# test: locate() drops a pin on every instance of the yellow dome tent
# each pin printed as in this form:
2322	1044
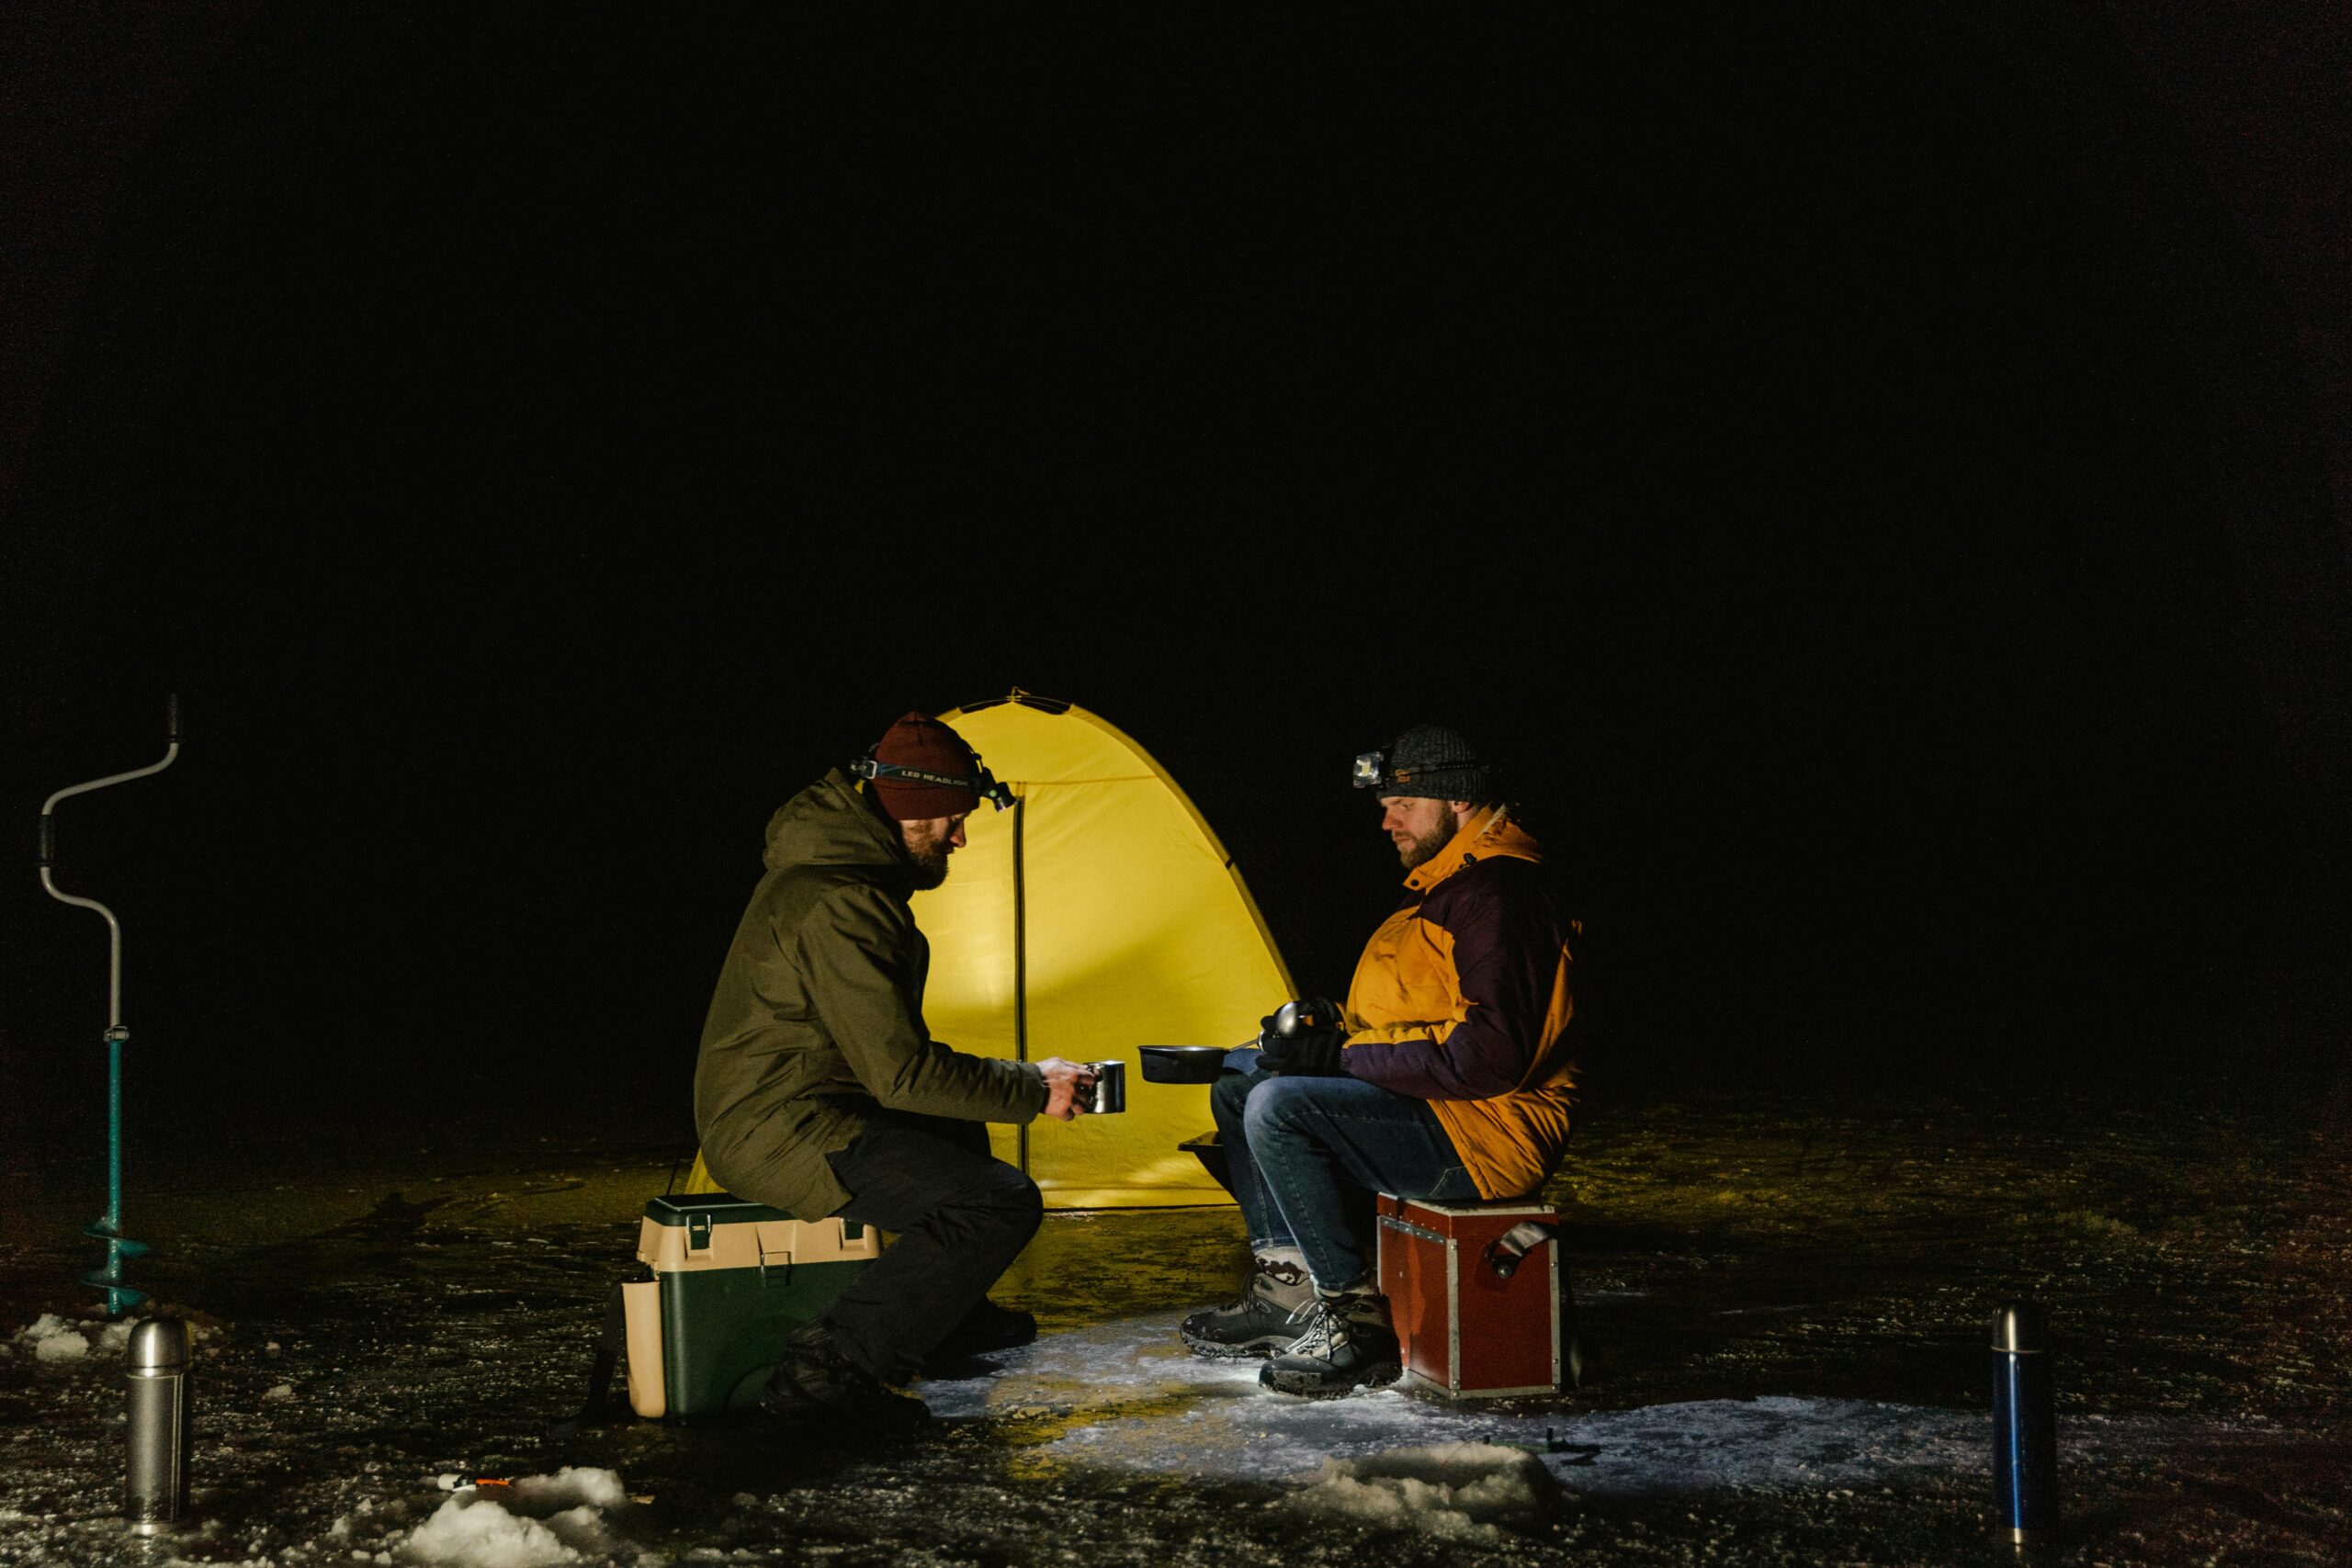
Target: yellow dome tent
1098	914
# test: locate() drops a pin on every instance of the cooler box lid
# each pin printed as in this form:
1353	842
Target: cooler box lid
715	1208
713	1230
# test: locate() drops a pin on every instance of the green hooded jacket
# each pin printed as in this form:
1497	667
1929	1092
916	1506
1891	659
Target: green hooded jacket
817	1021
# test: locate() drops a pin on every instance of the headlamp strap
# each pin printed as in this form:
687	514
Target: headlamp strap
987	785
867	768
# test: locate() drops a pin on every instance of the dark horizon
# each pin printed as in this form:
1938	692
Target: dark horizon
1864	479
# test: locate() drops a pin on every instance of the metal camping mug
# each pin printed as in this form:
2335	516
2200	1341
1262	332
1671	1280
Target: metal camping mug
1110	1088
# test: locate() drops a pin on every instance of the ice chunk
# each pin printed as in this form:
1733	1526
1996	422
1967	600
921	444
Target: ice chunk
582	1529
51	1337
279	1390
465	1534
573	1483
1454	1491
539	1521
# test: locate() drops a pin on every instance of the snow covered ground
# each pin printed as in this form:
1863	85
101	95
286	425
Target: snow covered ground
1784	1312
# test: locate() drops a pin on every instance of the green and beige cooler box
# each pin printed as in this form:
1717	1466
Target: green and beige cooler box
730	1279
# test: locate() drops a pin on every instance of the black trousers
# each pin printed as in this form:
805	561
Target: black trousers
961	1216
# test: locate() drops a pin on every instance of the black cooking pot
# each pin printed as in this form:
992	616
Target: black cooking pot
1183	1064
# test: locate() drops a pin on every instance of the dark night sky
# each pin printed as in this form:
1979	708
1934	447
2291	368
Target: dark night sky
1857	474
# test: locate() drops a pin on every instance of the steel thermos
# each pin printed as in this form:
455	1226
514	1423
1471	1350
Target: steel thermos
2025	1427
156	1481
1110	1088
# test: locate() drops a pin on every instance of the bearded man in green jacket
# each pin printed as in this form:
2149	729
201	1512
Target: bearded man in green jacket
821	1092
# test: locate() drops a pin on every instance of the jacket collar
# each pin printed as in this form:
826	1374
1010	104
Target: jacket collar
830	823
1488	834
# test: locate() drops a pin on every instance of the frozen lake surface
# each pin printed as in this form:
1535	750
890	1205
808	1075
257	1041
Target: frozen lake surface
1785	1312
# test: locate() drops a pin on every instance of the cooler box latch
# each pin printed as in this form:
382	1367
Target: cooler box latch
773	1254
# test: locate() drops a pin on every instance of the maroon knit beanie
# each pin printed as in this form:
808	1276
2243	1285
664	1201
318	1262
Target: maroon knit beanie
919	742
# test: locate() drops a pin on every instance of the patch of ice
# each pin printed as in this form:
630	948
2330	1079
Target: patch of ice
279	1391
1460	1492
1125	1395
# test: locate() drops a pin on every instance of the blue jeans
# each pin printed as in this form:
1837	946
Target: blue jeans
1306	1155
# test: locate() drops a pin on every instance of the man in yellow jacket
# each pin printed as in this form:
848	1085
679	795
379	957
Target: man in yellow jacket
1446	1077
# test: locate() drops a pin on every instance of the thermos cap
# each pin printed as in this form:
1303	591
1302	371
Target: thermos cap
159	1344
2020	1329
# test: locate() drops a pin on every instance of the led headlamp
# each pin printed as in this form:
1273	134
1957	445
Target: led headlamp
1375	771
988	786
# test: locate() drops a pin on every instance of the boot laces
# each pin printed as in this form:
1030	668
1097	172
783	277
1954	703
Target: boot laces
1326	1330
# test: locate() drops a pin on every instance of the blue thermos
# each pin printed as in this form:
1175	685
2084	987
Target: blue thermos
2025	1427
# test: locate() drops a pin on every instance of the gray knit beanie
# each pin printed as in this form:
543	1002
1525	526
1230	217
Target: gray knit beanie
1429	762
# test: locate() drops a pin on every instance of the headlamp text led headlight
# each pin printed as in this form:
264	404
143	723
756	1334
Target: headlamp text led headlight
988	786
1371	770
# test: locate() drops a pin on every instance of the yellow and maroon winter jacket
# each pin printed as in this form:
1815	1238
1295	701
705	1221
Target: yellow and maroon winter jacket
1461	999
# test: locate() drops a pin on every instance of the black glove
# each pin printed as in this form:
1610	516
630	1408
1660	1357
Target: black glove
1303	1040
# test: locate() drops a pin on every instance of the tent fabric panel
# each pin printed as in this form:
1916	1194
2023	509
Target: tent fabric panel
1142	942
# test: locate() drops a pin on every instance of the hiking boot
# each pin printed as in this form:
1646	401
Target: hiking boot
815	1382
986	1328
1348	1345
1260	1319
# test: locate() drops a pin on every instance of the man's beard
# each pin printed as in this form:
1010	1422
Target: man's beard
931	865
1422	850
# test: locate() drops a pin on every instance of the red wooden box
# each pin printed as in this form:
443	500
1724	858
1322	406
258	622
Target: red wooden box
1464	1328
